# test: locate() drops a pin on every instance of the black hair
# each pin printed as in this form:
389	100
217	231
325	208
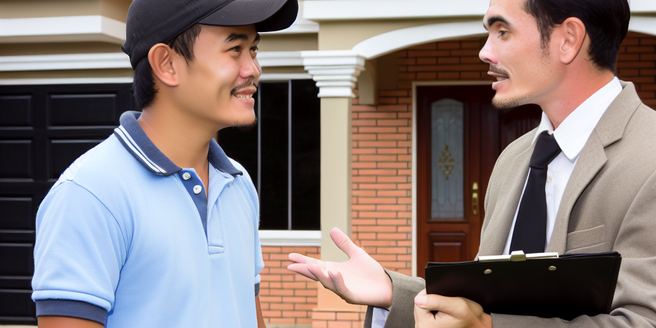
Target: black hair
606	23
143	84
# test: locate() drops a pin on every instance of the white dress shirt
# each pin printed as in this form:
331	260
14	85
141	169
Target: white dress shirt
571	136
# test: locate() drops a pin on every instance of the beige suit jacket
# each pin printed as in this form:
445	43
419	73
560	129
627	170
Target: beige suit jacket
609	204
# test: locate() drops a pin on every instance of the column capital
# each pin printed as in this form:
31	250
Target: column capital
335	71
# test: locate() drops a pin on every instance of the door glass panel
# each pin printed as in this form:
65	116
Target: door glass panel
447	164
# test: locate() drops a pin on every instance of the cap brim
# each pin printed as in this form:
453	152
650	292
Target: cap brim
266	15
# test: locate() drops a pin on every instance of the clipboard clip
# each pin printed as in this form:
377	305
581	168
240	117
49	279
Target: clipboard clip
517	256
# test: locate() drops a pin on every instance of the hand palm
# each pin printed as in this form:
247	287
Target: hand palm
360	280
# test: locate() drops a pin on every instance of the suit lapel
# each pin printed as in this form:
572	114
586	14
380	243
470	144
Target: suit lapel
592	159
494	240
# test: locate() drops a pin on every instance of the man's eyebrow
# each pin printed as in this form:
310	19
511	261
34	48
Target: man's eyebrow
237	36
241	37
494	19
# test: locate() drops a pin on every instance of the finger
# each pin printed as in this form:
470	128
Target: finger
344	243
301	268
338	281
322	275
453	306
298	258
420	299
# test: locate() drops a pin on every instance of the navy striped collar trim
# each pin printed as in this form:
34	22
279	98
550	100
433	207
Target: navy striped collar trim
135	141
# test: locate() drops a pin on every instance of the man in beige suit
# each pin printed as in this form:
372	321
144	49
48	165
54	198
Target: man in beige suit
600	189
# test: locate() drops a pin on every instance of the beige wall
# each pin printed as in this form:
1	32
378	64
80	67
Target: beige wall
115	9
289	42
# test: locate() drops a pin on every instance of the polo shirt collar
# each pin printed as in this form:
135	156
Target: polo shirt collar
137	143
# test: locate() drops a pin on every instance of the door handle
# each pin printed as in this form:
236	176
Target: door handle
475	198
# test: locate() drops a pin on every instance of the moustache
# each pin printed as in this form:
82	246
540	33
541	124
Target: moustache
498	70
249	83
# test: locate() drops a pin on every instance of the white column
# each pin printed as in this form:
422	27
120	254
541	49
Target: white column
336	75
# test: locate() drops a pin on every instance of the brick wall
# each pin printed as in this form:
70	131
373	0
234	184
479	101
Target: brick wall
637	63
286	298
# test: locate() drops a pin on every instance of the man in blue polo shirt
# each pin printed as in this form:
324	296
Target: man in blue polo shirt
156	226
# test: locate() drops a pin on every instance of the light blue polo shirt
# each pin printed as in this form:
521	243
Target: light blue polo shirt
127	238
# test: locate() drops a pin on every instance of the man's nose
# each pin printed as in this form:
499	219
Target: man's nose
250	67
487	54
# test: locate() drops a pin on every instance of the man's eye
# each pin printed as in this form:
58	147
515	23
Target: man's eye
237	49
502	33
255	48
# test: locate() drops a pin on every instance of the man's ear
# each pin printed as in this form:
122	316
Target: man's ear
161	58
572	35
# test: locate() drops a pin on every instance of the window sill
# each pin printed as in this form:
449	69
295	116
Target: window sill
290	238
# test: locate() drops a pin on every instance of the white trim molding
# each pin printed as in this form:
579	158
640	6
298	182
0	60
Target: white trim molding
64	62
119	60
62	29
386	9
290	238
396	9
399	39
279	58
335	71
643	24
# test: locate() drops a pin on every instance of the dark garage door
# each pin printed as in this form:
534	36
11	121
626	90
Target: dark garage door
42	130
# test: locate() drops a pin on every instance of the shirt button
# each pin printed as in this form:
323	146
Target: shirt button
549	179
197	189
186	176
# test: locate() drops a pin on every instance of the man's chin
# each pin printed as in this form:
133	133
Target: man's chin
501	102
245	126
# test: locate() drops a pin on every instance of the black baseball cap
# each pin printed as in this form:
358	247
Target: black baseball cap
159	21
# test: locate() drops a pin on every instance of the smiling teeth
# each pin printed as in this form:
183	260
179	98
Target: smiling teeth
246	97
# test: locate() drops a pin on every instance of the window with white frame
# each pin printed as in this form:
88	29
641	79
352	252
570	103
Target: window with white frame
281	154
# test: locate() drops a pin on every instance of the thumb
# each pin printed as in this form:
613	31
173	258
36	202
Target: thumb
446	305
344	243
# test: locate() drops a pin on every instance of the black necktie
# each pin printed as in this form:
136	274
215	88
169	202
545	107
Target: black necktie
530	232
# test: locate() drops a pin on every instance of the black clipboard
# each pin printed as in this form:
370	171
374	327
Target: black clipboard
540	285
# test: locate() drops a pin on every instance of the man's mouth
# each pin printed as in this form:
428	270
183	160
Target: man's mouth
244	96
498	73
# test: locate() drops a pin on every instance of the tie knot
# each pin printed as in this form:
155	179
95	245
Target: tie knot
546	149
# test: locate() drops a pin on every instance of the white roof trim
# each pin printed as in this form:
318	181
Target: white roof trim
116	60
279	58
64	62
643	24
62	29
84	80
290	238
388	42
386	9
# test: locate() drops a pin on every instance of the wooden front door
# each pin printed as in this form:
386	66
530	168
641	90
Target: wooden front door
459	137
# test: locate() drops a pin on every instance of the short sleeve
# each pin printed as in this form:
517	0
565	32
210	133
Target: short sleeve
78	254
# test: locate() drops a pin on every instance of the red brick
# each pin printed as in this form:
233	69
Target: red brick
428	53
402	122
393	136
363	207
641	49
377	172
449	60
426	76
378	129
393	93
390	165
389	215
387	101
401	151
376	158
407	61
392	193
364	193
448	75
425	46
397	208
379	143
427	61
377	200
448	45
